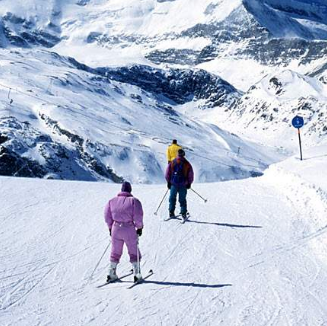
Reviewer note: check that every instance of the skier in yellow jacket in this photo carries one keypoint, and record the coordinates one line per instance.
(172, 151)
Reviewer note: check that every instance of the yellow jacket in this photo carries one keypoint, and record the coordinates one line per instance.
(172, 152)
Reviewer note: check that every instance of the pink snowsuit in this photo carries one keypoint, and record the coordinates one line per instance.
(124, 214)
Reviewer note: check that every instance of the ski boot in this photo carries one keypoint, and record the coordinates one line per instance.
(185, 216)
(171, 214)
(137, 272)
(112, 276)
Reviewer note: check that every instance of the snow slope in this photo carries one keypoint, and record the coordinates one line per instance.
(61, 119)
(254, 254)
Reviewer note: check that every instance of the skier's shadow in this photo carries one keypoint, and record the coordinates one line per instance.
(228, 225)
(195, 285)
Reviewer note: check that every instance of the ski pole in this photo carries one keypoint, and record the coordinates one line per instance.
(98, 263)
(205, 200)
(138, 257)
(156, 212)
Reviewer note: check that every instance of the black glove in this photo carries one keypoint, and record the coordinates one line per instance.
(188, 186)
(168, 185)
(139, 232)
(110, 232)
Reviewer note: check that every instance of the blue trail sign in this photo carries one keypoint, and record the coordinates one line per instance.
(298, 123)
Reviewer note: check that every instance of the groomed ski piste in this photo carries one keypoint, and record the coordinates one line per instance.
(254, 254)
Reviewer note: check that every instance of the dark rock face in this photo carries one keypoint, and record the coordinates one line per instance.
(3, 139)
(11, 164)
(178, 85)
(174, 56)
(251, 38)
(24, 33)
(18, 139)
(82, 153)
(277, 85)
(283, 51)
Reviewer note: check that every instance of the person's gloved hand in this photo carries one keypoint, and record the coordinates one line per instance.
(110, 232)
(139, 232)
(168, 185)
(188, 186)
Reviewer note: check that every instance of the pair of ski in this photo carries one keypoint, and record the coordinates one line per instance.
(119, 279)
(178, 217)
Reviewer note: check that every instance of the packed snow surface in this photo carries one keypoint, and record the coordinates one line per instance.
(254, 254)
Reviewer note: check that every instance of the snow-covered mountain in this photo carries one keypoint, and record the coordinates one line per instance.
(269, 106)
(62, 119)
(77, 75)
(182, 32)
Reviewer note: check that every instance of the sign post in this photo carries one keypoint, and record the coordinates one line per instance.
(298, 123)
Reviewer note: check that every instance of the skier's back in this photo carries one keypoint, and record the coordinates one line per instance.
(179, 176)
(172, 151)
(124, 217)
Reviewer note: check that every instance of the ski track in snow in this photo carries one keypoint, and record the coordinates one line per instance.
(249, 256)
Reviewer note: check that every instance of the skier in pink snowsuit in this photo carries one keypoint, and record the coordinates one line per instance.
(124, 217)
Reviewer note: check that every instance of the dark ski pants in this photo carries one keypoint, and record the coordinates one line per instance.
(182, 192)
